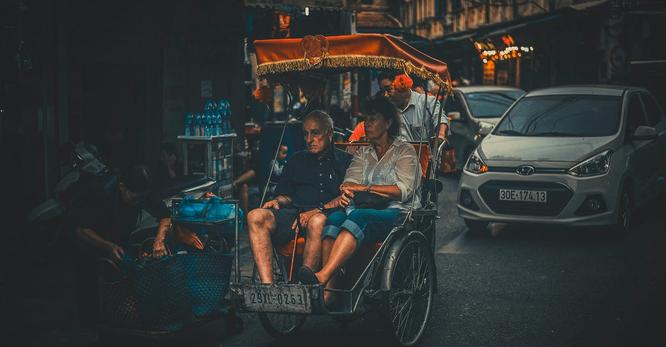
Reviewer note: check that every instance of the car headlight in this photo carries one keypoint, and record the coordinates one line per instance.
(598, 164)
(475, 164)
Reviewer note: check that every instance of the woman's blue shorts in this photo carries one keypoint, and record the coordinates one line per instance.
(364, 223)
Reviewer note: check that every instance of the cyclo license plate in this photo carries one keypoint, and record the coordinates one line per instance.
(283, 298)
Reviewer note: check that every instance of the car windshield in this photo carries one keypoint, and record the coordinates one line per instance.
(490, 104)
(562, 115)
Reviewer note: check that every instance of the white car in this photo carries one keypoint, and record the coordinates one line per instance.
(473, 111)
(574, 156)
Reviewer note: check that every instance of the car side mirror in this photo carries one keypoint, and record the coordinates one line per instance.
(485, 128)
(644, 133)
(454, 116)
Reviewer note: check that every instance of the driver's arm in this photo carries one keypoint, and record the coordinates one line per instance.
(440, 123)
(91, 238)
(443, 130)
(159, 249)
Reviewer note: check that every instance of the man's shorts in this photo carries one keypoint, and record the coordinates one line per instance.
(284, 219)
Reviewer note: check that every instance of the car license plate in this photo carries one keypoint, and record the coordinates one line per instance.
(522, 195)
(283, 298)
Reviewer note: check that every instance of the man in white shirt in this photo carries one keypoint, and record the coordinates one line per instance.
(418, 123)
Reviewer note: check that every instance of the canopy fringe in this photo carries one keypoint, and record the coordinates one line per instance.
(352, 61)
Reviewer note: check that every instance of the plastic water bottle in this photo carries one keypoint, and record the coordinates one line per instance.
(218, 123)
(197, 124)
(189, 120)
(221, 112)
(210, 105)
(202, 124)
(227, 119)
(208, 122)
(225, 108)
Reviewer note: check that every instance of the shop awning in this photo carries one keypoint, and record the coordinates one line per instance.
(497, 29)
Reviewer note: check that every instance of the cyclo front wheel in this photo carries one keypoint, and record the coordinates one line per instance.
(279, 325)
(411, 294)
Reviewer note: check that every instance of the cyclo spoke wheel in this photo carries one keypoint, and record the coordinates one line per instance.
(412, 290)
(279, 325)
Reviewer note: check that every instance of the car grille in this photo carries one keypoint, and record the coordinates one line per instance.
(558, 196)
(538, 170)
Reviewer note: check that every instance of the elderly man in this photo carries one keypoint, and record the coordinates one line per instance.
(309, 185)
(418, 124)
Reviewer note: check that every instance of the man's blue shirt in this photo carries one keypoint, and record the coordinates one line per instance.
(311, 180)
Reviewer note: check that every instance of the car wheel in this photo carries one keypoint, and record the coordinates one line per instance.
(625, 213)
(476, 227)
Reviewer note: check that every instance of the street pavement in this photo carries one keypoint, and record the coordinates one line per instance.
(525, 285)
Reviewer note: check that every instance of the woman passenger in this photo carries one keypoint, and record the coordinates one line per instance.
(387, 168)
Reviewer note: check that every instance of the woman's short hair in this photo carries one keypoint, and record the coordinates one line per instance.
(379, 104)
(322, 118)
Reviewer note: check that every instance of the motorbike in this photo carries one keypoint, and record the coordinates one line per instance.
(46, 222)
(84, 163)
(84, 167)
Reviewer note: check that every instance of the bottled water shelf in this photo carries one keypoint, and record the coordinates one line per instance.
(206, 138)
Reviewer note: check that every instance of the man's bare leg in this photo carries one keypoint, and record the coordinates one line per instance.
(343, 248)
(261, 224)
(312, 251)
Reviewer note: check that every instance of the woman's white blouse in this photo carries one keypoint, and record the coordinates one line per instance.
(399, 166)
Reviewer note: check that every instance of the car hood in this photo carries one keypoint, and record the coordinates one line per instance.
(540, 149)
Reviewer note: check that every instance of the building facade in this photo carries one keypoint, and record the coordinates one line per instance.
(539, 43)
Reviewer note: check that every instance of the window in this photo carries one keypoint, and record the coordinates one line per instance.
(562, 115)
(652, 110)
(453, 104)
(491, 104)
(636, 114)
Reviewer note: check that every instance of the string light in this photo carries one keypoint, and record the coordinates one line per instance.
(510, 52)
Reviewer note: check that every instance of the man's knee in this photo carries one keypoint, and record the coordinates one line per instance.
(316, 225)
(260, 216)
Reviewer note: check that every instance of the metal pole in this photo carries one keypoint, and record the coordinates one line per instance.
(272, 164)
(236, 246)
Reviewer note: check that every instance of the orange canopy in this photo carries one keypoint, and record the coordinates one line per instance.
(375, 51)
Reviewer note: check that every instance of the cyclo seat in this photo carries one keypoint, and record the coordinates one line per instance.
(371, 248)
(287, 248)
(366, 249)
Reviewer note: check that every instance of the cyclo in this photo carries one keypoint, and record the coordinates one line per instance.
(397, 276)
